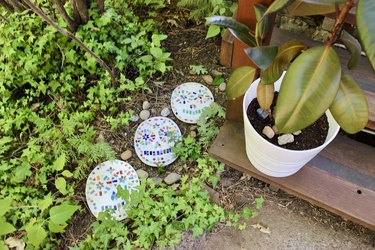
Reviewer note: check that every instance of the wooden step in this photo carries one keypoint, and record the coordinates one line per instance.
(340, 179)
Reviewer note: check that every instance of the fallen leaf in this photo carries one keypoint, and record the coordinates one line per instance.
(261, 228)
(15, 243)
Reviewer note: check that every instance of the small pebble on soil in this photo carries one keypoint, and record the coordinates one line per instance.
(126, 155)
(165, 112)
(134, 118)
(262, 113)
(222, 86)
(208, 79)
(145, 114)
(193, 134)
(146, 105)
(157, 180)
(172, 178)
(284, 139)
(142, 174)
(297, 132)
(268, 131)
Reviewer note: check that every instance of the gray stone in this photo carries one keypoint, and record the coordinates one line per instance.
(268, 131)
(157, 180)
(262, 113)
(165, 112)
(126, 155)
(153, 111)
(172, 178)
(193, 134)
(134, 118)
(222, 86)
(207, 79)
(146, 105)
(100, 138)
(297, 132)
(284, 139)
(145, 114)
(216, 72)
(142, 174)
(175, 186)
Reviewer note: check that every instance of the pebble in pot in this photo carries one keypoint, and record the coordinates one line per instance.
(262, 113)
(284, 139)
(268, 131)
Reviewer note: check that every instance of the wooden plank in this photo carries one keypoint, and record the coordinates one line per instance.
(338, 195)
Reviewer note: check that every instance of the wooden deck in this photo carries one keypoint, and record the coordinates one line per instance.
(340, 179)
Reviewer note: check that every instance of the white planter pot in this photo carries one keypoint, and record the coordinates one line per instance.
(273, 160)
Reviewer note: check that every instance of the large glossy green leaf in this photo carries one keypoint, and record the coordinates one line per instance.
(239, 82)
(366, 27)
(354, 48)
(325, 1)
(287, 52)
(299, 8)
(350, 108)
(308, 89)
(262, 56)
(265, 94)
(239, 30)
(264, 23)
(277, 5)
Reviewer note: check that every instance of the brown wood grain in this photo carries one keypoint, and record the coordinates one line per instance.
(342, 197)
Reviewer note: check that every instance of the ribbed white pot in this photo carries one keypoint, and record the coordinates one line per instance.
(273, 160)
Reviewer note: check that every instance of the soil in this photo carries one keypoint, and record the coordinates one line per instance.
(311, 137)
(293, 223)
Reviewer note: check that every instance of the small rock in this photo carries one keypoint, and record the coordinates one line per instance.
(192, 72)
(208, 79)
(175, 186)
(262, 113)
(297, 132)
(268, 131)
(146, 105)
(126, 155)
(112, 141)
(216, 72)
(222, 86)
(159, 83)
(145, 114)
(194, 127)
(172, 178)
(157, 180)
(142, 174)
(274, 128)
(134, 118)
(193, 134)
(165, 112)
(100, 138)
(153, 111)
(214, 196)
(284, 139)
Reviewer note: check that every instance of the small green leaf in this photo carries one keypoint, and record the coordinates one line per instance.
(350, 108)
(6, 228)
(156, 52)
(308, 89)
(60, 184)
(366, 27)
(213, 30)
(354, 48)
(197, 231)
(36, 234)
(262, 56)
(259, 202)
(46, 202)
(5, 205)
(239, 82)
(61, 213)
(56, 228)
(287, 52)
(60, 162)
(277, 5)
(67, 173)
(3, 246)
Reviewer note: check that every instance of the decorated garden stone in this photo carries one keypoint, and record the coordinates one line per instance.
(154, 139)
(101, 187)
(189, 99)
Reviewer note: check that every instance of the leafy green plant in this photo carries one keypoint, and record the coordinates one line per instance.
(314, 81)
(198, 69)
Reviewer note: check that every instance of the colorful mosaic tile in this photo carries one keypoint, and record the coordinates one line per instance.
(153, 140)
(102, 183)
(189, 99)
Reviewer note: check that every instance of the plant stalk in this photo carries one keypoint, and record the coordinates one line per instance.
(340, 21)
(66, 33)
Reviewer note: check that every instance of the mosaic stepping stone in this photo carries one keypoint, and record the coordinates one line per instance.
(154, 139)
(101, 187)
(189, 99)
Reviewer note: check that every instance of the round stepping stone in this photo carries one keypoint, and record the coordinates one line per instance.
(102, 183)
(154, 139)
(189, 99)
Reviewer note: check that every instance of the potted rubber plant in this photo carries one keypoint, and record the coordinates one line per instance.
(308, 82)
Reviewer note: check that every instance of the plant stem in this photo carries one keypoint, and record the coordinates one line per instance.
(40, 13)
(340, 21)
